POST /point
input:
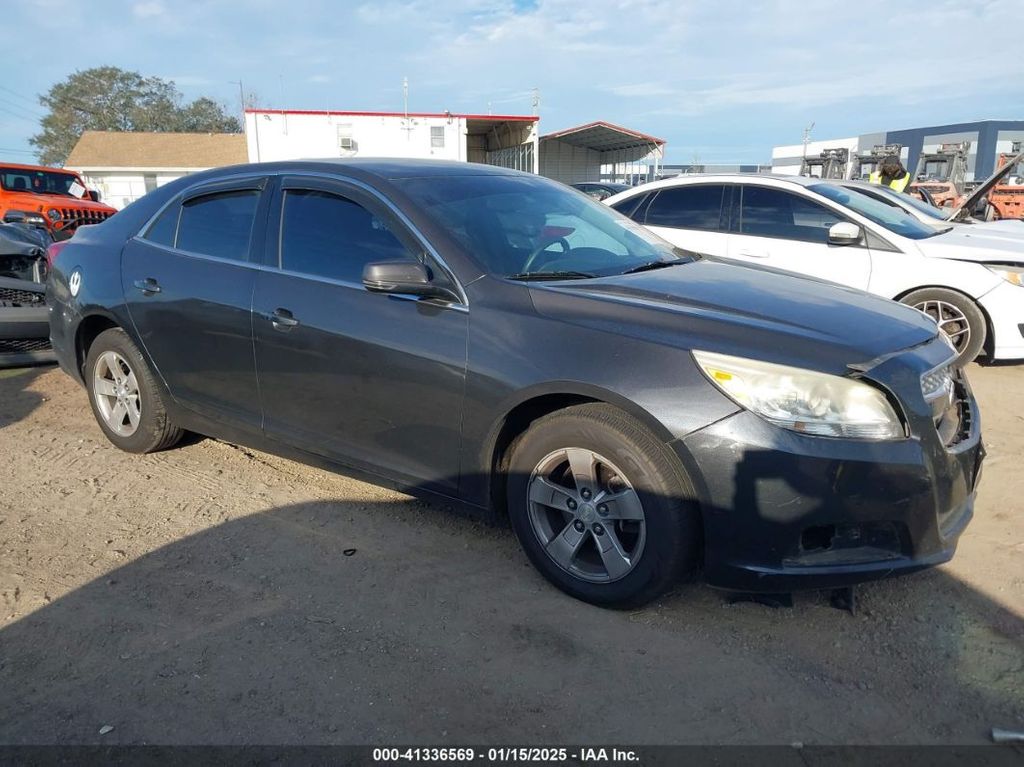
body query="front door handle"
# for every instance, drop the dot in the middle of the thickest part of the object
(283, 320)
(747, 253)
(148, 286)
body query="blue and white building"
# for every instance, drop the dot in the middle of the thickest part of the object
(988, 138)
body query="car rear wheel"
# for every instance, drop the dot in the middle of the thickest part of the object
(602, 507)
(957, 316)
(124, 395)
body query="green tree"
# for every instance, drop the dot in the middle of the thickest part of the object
(112, 99)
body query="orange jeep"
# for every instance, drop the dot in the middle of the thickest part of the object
(49, 197)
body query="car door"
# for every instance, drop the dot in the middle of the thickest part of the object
(372, 380)
(188, 282)
(689, 216)
(785, 230)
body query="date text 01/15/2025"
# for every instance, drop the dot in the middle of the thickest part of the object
(505, 754)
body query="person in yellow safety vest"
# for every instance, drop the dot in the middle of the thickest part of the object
(892, 174)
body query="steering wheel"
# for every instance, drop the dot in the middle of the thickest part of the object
(926, 196)
(561, 241)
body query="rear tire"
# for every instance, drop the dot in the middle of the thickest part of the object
(602, 507)
(957, 315)
(125, 397)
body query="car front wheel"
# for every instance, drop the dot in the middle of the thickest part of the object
(602, 507)
(958, 317)
(124, 395)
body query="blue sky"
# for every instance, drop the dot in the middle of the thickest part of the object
(721, 81)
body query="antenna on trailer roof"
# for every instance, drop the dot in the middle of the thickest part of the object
(406, 124)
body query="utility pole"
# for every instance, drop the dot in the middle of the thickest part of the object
(807, 138)
(241, 97)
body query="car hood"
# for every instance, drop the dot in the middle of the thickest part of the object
(743, 310)
(1009, 228)
(970, 201)
(973, 243)
(30, 201)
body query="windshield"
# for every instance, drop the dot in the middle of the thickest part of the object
(894, 219)
(40, 182)
(518, 226)
(902, 200)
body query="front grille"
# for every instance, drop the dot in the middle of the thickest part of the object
(15, 297)
(20, 345)
(73, 217)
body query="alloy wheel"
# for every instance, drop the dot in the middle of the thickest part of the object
(586, 515)
(950, 319)
(116, 391)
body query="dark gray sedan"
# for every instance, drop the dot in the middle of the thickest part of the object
(504, 344)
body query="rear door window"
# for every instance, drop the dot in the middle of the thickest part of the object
(769, 212)
(695, 206)
(219, 224)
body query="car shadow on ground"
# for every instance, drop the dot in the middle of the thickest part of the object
(357, 622)
(17, 400)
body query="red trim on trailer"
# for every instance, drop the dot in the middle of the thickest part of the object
(327, 113)
(603, 124)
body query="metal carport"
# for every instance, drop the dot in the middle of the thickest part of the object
(600, 151)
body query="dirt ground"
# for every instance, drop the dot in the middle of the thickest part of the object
(203, 595)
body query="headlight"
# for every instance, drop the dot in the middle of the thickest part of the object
(1014, 274)
(802, 400)
(53, 214)
(24, 217)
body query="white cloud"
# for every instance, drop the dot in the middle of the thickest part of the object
(148, 9)
(189, 81)
(642, 90)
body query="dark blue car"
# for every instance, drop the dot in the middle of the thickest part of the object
(502, 343)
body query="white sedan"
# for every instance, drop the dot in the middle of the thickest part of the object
(971, 284)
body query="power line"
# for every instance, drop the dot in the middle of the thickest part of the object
(33, 102)
(17, 116)
(21, 110)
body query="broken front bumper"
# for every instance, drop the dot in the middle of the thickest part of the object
(784, 511)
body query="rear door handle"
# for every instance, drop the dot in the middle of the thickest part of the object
(283, 320)
(148, 286)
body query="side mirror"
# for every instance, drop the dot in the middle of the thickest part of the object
(844, 233)
(94, 195)
(403, 277)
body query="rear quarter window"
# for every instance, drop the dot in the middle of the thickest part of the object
(631, 205)
(163, 230)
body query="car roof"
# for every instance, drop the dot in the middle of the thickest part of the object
(47, 168)
(382, 167)
(714, 178)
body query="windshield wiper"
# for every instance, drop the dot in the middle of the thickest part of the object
(526, 276)
(651, 265)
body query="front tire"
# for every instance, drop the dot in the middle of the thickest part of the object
(957, 316)
(601, 507)
(125, 397)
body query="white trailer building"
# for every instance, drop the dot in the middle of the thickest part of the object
(509, 141)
